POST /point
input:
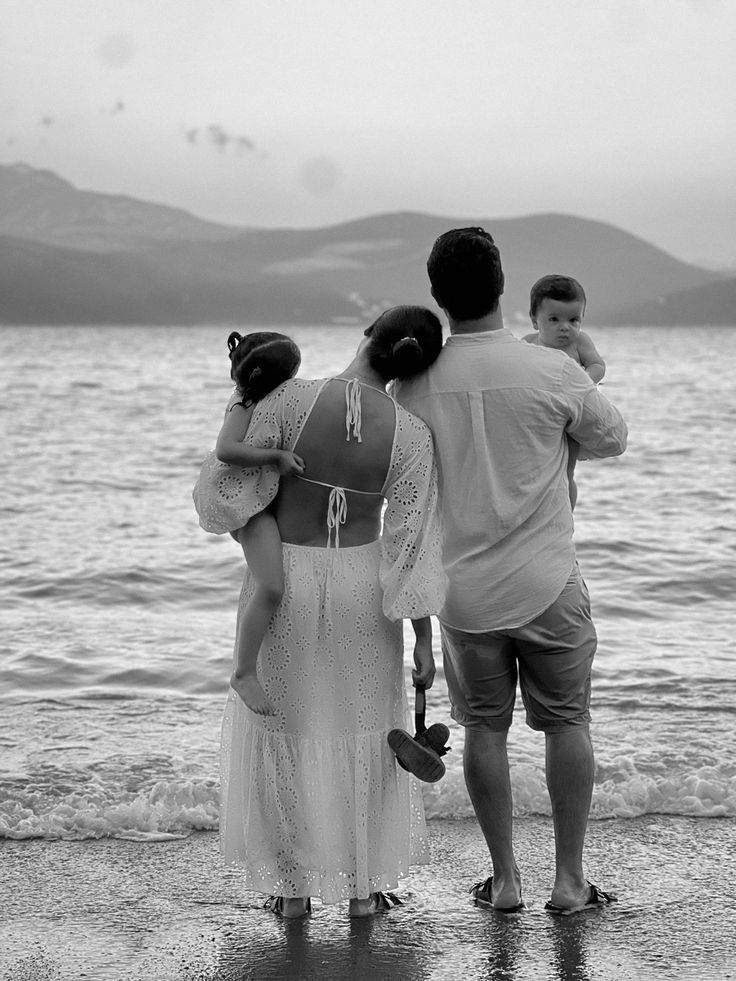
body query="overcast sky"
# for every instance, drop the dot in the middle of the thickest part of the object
(310, 112)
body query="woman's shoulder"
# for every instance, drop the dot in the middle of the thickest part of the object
(410, 421)
(288, 404)
(293, 389)
(411, 431)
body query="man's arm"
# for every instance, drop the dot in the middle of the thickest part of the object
(593, 364)
(595, 422)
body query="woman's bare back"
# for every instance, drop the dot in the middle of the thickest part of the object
(333, 460)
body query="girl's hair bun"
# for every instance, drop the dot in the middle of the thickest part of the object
(232, 342)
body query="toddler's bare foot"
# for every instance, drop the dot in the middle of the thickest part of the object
(248, 688)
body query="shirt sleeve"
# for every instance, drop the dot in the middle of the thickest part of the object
(411, 571)
(595, 423)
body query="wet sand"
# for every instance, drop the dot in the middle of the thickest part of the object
(170, 911)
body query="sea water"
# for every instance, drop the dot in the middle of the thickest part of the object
(117, 612)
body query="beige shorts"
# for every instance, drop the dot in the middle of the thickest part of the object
(551, 657)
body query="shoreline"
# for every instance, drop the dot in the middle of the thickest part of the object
(106, 909)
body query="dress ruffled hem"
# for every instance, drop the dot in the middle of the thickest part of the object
(331, 817)
(315, 884)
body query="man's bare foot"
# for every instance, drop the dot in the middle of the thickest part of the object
(507, 890)
(248, 688)
(569, 898)
(500, 891)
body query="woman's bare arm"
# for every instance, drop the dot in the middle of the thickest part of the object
(424, 670)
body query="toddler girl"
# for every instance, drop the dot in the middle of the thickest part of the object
(260, 362)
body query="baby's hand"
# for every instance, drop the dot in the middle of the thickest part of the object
(289, 463)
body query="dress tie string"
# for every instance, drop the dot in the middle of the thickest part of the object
(352, 414)
(337, 512)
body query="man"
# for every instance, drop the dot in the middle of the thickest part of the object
(500, 411)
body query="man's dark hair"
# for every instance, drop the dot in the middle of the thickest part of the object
(465, 271)
(555, 287)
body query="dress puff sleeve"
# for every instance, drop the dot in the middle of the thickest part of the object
(411, 571)
(225, 496)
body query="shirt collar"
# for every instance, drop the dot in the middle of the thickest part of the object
(501, 335)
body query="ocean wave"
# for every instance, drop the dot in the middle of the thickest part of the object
(175, 806)
(113, 587)
(169, 809)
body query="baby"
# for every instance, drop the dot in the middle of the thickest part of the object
(556, 307)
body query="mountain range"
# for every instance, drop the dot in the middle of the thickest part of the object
(74, 257)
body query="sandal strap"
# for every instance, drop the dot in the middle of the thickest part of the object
(386, 900)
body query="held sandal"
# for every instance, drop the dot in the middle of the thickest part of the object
(421, 754)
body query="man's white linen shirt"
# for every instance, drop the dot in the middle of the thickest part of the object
(499, 410)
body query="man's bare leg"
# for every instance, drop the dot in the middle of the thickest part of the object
(489, 785)
(570, 771)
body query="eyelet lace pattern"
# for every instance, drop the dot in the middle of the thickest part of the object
(313, 803)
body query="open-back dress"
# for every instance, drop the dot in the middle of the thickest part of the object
(313, 802)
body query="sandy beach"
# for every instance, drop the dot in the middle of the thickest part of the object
(171, 911)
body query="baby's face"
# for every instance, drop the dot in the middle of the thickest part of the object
(559, 322)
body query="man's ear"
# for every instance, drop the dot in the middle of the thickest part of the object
(534, 323)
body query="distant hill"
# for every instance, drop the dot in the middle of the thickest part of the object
(39, 205)
(70, 256)
(713, 304)
(44, 284)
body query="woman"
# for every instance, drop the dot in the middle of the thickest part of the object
(313, 803)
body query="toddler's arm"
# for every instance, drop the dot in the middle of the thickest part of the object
(423, 673)
(231, 449)
(590, 360)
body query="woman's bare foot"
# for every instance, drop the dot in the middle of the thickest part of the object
(377, 901)
(292, 909)
(362, 907)
(248, 688)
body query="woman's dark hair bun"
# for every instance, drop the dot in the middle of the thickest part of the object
(404, 341)
(407, 343)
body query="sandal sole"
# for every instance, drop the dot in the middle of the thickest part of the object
(422, 762)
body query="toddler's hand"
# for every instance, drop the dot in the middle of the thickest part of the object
(289, 463)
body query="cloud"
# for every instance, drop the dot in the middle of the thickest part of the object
(217, 136)
(114, 110)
